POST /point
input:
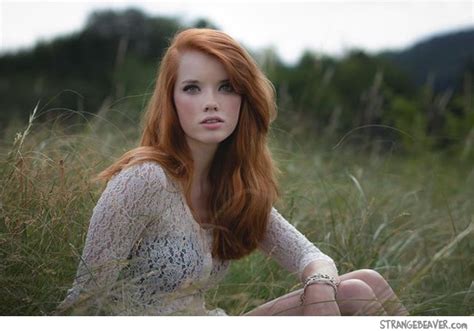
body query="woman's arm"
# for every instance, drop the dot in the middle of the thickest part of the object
(130, 201)
(319, 266)
(292, 250)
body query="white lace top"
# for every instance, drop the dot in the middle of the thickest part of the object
(146, 255)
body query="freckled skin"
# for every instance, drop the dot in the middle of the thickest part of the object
(211, 95)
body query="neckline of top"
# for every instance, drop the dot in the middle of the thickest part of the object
(187, 209)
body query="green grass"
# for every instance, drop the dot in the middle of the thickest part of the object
(408, 216)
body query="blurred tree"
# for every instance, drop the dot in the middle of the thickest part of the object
(204, 23)
(115, 54)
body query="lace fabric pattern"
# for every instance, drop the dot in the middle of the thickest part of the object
(146, 255)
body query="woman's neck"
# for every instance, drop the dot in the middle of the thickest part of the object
(202, 158)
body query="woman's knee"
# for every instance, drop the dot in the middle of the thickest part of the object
(354, 296)
(353, 288)
(371, 276)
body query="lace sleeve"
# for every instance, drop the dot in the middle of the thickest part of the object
(291, 249)
(124, 209)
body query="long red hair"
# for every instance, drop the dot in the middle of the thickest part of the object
(242, 175)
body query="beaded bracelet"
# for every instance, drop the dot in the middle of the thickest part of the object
(322, 279)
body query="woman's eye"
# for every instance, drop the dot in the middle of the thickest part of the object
(227, 87)
(192, 88)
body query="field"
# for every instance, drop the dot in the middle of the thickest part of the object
(407, 215)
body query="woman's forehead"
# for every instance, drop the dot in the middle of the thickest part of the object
(195, 65)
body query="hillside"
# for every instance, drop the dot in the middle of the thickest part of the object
(442, 57)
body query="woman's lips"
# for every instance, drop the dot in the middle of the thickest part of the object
(212, 126)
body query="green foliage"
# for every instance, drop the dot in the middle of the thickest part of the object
(406, 116)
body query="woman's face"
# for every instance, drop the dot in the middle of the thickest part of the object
(207, 106)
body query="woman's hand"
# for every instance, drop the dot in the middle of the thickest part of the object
(319, 299)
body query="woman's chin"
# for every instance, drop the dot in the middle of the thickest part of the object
(214, 140)
(208, 142)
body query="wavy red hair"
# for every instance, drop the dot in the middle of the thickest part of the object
(242, 174)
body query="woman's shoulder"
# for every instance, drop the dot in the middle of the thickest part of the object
(147, 171)
(136, 189)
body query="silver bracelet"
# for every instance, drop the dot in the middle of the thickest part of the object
(319, 279)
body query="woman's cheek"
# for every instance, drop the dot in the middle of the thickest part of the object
(184, 103)
(185, 108)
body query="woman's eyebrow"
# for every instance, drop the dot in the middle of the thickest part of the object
(195, 81)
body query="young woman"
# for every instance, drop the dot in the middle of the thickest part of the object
(198, 193)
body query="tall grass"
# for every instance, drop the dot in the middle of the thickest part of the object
(409, 217)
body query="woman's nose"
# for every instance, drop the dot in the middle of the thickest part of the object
(210, 103)
(210, 106)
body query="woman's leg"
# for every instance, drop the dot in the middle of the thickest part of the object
(286, 305)
(354, 297)
(381, 288)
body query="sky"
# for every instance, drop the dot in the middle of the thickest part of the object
(326, 27)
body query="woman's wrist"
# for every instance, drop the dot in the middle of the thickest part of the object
(321, 267)
(320, 290)
(323, 278)
(320, 299)
(328, 282)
